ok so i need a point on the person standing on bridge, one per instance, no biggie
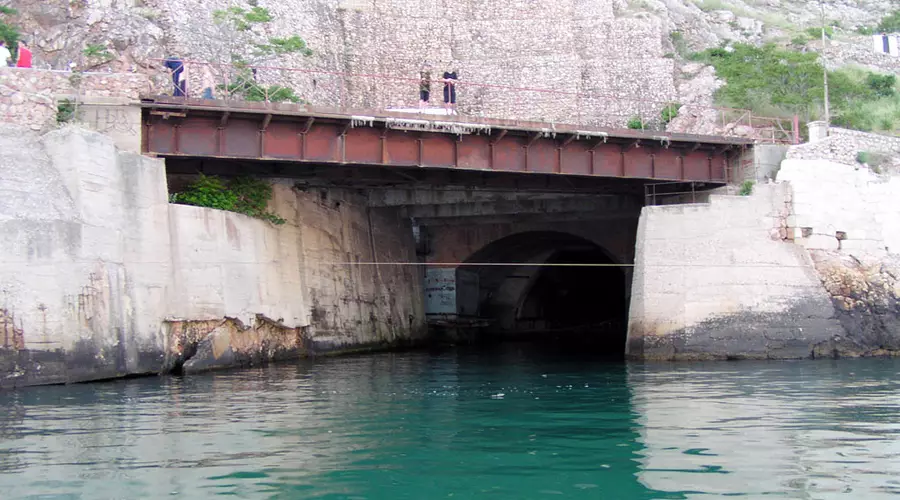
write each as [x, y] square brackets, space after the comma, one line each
[424, 85]
[207, 82]
[24, 60]
[176, 66]
[450, 78]
[5, 54]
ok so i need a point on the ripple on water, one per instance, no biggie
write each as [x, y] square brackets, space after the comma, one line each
[417, 425]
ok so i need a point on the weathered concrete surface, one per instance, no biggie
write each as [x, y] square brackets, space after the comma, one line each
[849, 219]
[101, 277]
[355, 305]
[831, 198]
[196, 346]
[81, 283]
[718, 281]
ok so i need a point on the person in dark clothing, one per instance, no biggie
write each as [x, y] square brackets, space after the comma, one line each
[424, 85]
[176, 66]
[450, 78]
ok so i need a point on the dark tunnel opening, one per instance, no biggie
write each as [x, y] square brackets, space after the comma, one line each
[568, 294]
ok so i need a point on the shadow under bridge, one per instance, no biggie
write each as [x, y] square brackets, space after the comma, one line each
[537, 285]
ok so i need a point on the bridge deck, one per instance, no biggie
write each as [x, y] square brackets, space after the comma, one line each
[178, 127]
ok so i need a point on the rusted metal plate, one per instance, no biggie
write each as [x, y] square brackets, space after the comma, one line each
[696, 166]
[438, 150]
[402, 148]
[575, 159]
[198, 137]
[322, 143]
[475, 153]
[638, 163]
[509, 154]
[718, 165]
[283, 140]
[667, 164]
[161, 136]
[240, 139]
[543, 157]
[608, 161]
[363, 145]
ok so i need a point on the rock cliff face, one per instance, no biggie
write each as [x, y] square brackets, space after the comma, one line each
[866, 296]
[623, 53]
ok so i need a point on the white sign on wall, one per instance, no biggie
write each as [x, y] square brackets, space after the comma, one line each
[886, 44]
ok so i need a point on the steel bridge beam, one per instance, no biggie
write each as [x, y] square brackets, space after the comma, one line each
[321, 137]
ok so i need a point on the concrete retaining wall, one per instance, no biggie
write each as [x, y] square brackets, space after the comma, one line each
[83, 258]
[717, 281]
[807, 267]
[101, 277]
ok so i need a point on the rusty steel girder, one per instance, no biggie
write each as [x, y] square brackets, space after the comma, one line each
[217, 129]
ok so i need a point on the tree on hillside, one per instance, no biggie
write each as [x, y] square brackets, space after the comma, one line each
[8, 32]
[773, 81]
[890, 23]
[237, 39]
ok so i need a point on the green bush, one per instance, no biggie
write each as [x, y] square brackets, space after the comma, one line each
[636, 123]
[890, 23]
[97, 51]
[670, 112]
[876, 161]
[8, 32]
[244, 195]
[65, 111]
[244, 85]
[815, 32]
[881, 85]
[773, 81]
[746, 188]
[800, 40]
[865, 30]
[679, 42]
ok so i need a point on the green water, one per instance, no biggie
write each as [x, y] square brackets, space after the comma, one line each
[511, 423]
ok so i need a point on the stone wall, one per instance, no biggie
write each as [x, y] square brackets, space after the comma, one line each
[101, 277]
[843, 145]
[30, 97]
[717, 281]
[859, 53]
[572, 46]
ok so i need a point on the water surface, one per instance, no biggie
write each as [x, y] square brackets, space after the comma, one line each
[507, 423]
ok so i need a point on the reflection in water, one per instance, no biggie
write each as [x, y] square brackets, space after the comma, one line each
[796, 429]
[510, 423]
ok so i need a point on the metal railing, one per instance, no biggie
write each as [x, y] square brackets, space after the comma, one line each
[489, 100]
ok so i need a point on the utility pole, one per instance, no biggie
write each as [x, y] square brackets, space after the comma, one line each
[825, 71]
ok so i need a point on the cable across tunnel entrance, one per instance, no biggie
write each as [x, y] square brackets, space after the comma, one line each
[539, 286]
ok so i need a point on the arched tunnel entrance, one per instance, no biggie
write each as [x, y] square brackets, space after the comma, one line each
[545, 286]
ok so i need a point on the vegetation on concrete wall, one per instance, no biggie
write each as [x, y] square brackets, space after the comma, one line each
[244, 195]
[775, 81]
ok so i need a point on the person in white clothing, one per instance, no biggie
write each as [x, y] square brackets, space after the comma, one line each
[5, 54]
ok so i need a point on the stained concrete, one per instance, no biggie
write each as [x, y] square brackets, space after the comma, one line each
[718, 281]
[99, 274]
